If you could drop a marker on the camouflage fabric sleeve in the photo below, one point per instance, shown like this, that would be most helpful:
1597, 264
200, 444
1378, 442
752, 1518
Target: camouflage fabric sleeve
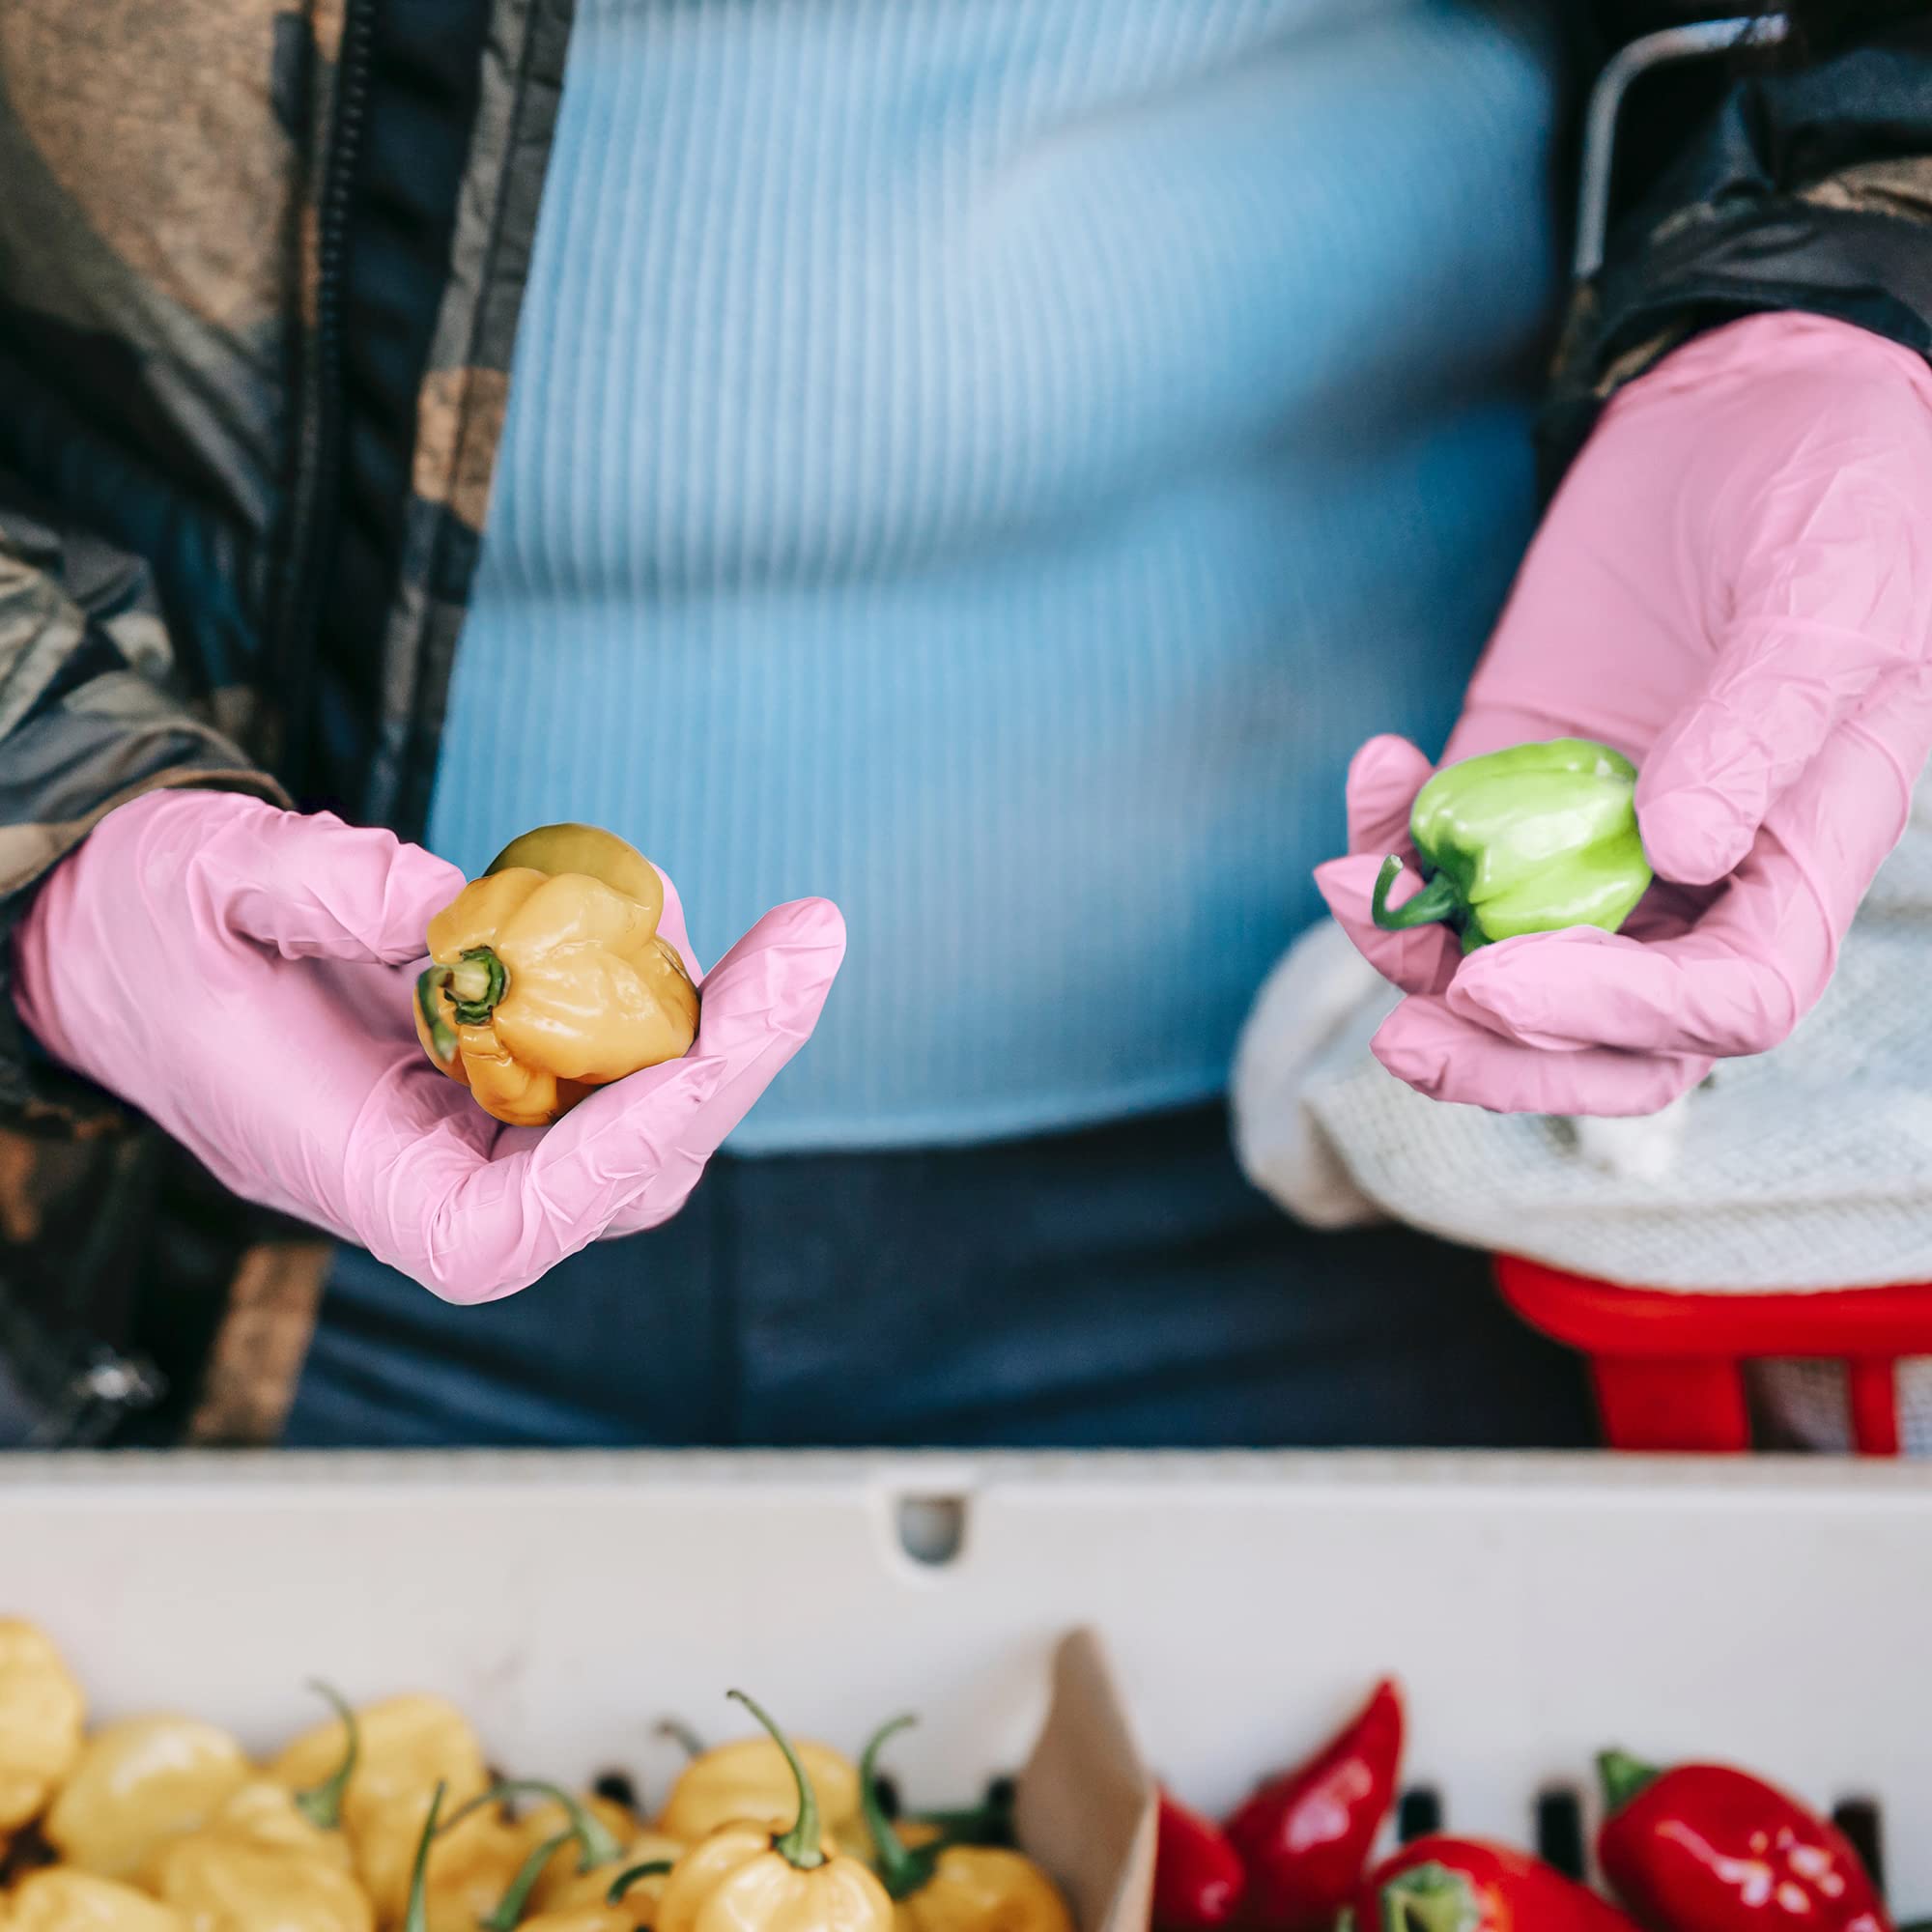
88, 720
1809, 188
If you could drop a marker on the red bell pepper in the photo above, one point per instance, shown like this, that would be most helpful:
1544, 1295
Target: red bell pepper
1703, 1848
1305, 1836
1463, 1884
1198, 1875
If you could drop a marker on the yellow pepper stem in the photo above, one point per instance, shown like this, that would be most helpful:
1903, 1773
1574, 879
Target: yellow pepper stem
476, 982
799, 1847
322, 1804
902, 1869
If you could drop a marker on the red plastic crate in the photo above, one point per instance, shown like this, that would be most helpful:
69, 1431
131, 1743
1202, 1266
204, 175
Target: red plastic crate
1669, 1367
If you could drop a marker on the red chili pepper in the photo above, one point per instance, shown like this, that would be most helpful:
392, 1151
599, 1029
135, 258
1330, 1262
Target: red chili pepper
1305, 1836
1198, 1877
1463, 1884
1703, 1848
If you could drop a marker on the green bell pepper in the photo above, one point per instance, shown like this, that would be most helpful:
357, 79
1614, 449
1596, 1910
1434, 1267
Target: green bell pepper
1529, 840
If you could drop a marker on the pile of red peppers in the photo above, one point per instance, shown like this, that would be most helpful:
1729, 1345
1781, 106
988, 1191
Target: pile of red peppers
1700, 1848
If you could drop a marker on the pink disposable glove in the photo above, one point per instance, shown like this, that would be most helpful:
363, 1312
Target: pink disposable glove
244, 977
1733, 587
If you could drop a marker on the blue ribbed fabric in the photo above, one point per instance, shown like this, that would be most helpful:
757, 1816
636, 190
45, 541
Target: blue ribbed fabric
991, 462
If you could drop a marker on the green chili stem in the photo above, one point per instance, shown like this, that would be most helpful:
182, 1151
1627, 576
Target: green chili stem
430, 984
509, 1912
476, 982
799, 1847
1623, 1777
902, 1869
627, 1878
682, 1735
1437, 900
1430, 1898
600, 1846
417, 1917
322, 1804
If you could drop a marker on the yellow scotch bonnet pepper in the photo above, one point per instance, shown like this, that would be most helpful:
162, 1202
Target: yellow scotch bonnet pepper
555, 1824
62, 1899
378, 1768
138, 1783
260, 1866
750, 1778
550, 979
942, 1886
489, 1883
42, 1712
748, 1876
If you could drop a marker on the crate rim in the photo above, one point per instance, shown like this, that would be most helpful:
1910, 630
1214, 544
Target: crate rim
207, 1475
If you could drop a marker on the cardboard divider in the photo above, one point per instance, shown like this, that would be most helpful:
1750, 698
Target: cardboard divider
1085, 1809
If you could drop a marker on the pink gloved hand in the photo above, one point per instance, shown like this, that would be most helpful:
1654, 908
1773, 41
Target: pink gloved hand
243, 976
1733, 587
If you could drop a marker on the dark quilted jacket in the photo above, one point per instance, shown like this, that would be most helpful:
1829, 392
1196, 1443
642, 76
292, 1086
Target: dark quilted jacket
260, 270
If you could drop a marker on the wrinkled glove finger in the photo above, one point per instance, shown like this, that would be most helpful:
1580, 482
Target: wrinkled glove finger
762, 1002
1420, 961
1448, 1058
1829, 569
1384, 778
1842, 823
671, 925
312, 888
1721, 765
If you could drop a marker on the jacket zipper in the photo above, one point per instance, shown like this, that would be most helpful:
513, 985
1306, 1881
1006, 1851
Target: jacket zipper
314, 509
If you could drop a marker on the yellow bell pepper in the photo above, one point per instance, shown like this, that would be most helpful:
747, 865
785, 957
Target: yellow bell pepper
402, 1749
752, 1877
750, 1778
259, 1865
937, 1886
138, 1783
550, 979
61, 1899
42, 1712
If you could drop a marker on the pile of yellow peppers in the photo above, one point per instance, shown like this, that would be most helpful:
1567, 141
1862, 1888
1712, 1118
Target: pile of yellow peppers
387, 1819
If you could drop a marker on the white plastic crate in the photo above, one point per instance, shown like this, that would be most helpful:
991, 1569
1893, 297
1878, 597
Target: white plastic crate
1770, 1612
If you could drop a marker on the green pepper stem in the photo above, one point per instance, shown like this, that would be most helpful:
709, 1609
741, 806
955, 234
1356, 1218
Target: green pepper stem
1623, 1777
630, 1874
600, 1846
430, 984
509, 1912
799, 1847
476, 982
902, 1869
1437, 900
417, 1917
322, 1804
1430, 1898
682, 1735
